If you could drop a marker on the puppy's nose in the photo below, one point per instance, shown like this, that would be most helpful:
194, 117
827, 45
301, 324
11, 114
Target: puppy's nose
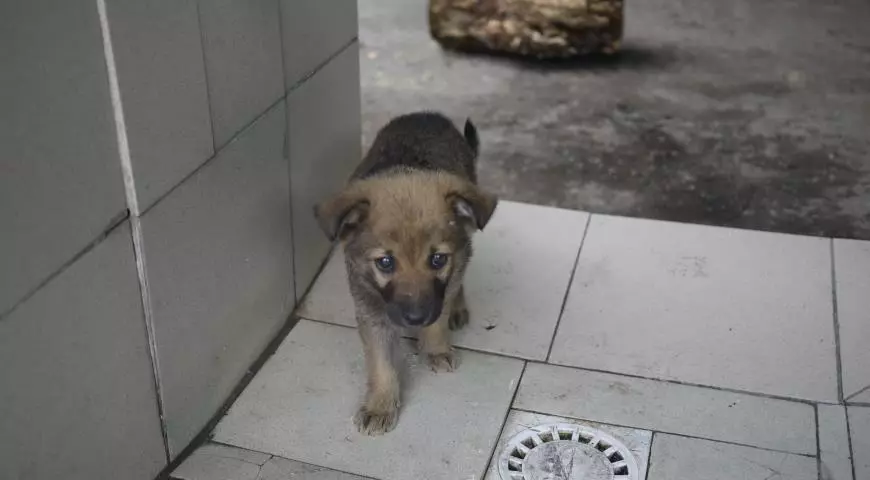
415, 315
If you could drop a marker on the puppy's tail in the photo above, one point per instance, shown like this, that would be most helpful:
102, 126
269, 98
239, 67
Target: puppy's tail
470, 133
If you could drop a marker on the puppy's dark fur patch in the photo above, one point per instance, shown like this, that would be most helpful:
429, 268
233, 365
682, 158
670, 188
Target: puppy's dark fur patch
405, 221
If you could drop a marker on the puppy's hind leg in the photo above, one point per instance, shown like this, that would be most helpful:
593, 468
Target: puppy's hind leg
459, 312
380, 410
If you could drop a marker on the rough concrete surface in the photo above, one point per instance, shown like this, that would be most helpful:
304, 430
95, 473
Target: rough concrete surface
741, 113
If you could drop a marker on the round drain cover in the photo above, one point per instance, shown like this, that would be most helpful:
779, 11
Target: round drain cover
564, 451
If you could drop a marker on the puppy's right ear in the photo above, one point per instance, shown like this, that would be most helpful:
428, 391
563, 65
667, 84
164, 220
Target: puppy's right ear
342, 215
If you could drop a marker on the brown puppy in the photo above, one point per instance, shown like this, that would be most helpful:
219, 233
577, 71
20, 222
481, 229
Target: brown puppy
405, 221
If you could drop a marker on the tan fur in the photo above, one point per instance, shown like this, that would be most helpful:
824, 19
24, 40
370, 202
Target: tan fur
408, 215
380, 410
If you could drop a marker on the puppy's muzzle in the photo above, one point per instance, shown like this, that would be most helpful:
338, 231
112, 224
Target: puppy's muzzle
414, 313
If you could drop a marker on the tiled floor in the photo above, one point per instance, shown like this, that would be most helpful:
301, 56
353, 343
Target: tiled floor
708, 352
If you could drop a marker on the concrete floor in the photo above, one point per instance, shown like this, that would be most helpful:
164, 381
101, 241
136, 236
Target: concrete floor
710, 353
741, 113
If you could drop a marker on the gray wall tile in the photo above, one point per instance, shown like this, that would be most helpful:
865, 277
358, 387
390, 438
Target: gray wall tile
161, 75
78, 398
219, 263
313, 30
242, 43
60, 178
324, 147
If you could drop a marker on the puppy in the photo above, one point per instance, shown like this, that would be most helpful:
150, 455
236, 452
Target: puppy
405, 221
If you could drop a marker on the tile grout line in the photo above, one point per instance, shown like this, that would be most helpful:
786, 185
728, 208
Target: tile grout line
248, 125
286, 153
818, 443
839, 362
568, 287
135, 224
114, 223
211, 159
609, 372
206, 432
851, 448
314, 71
652, 439
504, 422
664, 432
859, 392
272, 456
690, 384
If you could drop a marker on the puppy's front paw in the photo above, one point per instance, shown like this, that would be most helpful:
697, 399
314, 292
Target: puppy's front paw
375, 423
443, 362
458, 318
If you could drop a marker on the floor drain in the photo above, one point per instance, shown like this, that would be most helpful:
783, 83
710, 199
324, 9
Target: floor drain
564, 451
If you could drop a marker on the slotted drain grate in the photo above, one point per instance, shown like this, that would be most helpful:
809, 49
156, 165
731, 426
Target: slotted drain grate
564, 451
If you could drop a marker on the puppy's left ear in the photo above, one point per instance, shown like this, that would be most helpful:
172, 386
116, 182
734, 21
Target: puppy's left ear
473, 205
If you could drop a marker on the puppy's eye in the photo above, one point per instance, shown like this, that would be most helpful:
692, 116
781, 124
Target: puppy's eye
386, 263
438, 260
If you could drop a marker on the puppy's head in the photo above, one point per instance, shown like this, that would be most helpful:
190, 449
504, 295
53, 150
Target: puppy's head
406, 236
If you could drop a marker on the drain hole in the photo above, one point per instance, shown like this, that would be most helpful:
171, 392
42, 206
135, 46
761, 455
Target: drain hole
528, 451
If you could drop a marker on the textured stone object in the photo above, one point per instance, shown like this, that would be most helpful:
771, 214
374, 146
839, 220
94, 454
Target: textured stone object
543, 29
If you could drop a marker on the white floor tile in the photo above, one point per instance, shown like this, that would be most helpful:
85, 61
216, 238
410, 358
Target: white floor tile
678, 458
300, 406
278, 468
515, 284
863, 396
852, 259
836, 456
859, 427
638, 441
667, 407
222, 462
729, 308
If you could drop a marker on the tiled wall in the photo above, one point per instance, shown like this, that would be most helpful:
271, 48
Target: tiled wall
159, 162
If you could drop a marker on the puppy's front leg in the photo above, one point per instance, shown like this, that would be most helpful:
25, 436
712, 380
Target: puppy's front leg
380, 411
435, 343
459, 314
